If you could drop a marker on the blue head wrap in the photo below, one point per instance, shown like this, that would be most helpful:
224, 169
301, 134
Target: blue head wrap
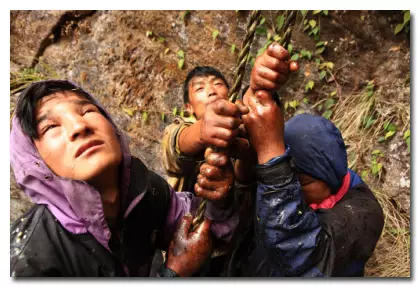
318, 148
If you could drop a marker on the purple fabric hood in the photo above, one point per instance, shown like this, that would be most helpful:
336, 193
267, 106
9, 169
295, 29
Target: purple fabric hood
76, 204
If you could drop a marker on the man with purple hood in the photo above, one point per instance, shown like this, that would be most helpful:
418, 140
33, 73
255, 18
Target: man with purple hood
99, 211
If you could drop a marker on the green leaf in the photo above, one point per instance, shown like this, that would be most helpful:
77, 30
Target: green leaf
294, 104
306, 54
317, 61
319, 51
181, 54
376, 152
290, 48
280, 22
232, 48
181, 113
322, 43
322, 75
303, 12
252, 62
325, 12
306, 27
316, 12
375, 169
407, 134
320, 107
163, 117
215, 34
277, 38
389, 134
364, 174
263, 48
386, 124
129, 111
161, 39
406, 17
294, 57
144, 117
370, 93
329, 103
330, 65
333, 93
184, 15
312, 23
262, 20
327, 114
381, 139
149, 33
309, 85
269, 36
305, 100
391, 127
174, 111
314, 31
407, 140
180, 63
286, 105
370, 122
262, 31
398, 28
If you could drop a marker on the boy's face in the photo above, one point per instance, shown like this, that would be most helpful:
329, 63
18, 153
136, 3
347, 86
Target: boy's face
200, 89
75, 140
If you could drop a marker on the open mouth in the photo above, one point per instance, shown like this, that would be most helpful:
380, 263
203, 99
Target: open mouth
88, 147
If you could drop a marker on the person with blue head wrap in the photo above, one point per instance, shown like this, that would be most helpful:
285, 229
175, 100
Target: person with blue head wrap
319, 154
313, 215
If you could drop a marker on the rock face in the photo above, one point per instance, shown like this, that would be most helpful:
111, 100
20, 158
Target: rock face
129, 60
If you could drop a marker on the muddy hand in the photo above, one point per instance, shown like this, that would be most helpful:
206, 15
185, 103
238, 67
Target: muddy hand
189, 250
219, 125
271, 69
216, 176
265, 126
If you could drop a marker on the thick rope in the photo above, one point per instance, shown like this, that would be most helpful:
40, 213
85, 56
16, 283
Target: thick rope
244, 55
234, 91
290, 17
240, 71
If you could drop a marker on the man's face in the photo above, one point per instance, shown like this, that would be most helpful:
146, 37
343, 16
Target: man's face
200, 89
75, 140
314, 190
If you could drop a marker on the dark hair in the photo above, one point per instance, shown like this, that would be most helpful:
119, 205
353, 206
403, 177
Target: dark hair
201, 71
29, 98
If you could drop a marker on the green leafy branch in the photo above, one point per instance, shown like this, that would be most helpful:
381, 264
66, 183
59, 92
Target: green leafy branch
405, 25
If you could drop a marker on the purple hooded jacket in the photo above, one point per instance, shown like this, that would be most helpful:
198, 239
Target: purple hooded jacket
77, 205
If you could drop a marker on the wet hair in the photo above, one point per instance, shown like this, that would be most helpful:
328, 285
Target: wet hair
30, 97
201, 71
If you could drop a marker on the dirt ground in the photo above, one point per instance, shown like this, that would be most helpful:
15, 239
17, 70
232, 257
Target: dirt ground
129, 60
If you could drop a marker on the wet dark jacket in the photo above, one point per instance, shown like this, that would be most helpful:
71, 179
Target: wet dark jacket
41, 246
288, 238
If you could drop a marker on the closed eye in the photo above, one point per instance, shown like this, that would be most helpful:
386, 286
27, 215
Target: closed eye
88, 111
47, 128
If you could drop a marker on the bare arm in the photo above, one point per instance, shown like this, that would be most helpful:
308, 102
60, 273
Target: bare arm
189, 140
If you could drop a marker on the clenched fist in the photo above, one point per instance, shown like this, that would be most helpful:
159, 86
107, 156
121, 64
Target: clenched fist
216, 176
189, 250
271, 69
